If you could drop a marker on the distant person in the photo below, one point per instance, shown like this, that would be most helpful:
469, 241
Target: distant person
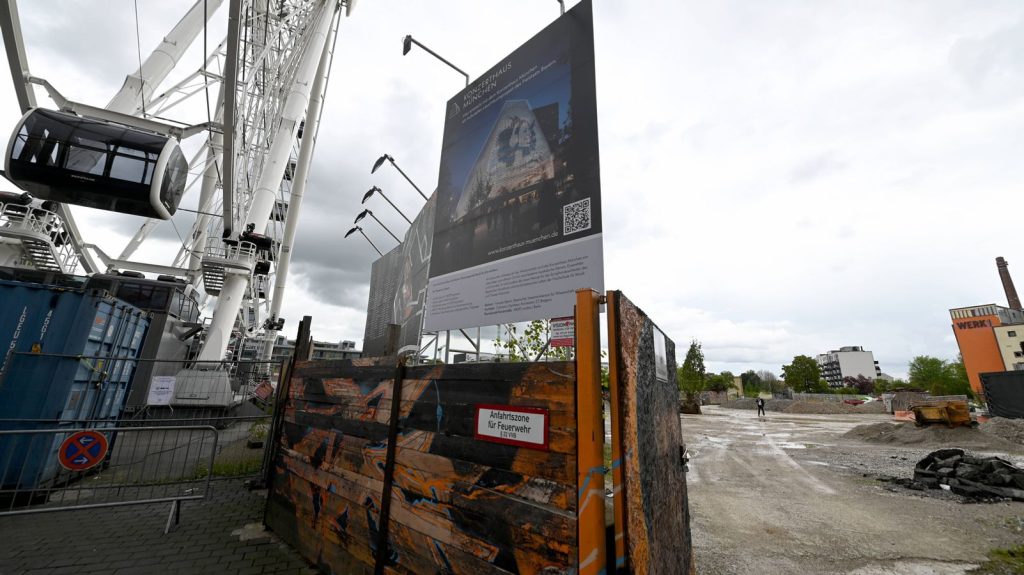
760, 407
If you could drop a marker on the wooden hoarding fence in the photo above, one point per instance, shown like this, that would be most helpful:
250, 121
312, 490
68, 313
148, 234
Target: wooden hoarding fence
383, 471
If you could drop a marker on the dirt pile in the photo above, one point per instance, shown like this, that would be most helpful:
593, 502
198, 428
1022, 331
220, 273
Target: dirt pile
824, 407
975, 477
807, 407
1009, 429
905, 433
872, 407
751, 403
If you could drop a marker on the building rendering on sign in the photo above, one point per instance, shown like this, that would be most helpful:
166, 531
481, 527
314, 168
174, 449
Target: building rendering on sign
989, 336
847, 361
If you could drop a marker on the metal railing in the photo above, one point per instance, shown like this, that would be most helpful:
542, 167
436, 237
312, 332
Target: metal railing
242, 252
156, 452
42, 225
139, 465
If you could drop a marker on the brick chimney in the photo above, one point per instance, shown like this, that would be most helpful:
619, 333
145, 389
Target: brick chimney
1012, 301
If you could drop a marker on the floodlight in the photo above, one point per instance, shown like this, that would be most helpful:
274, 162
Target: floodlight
367, 212
367, 195
407, 43
360, 230
380, 162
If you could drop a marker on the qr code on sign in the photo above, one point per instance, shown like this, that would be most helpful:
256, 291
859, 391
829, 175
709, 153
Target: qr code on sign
576, 217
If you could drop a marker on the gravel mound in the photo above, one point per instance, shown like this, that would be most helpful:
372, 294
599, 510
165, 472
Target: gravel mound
871, 407
811, 407
1009, 429
741, 403
750, 403
905, 433
826, 407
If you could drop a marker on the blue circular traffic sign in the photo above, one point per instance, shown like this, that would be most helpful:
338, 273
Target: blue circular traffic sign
82, 450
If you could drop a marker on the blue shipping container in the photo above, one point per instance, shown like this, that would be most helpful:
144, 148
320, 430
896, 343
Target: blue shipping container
68, 355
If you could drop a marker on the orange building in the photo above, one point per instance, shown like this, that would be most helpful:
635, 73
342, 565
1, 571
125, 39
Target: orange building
973, 329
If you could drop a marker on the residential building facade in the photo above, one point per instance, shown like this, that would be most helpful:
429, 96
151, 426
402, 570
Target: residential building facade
847, 361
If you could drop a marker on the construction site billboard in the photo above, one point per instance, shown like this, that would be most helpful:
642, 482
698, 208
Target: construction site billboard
398, 285
517, 228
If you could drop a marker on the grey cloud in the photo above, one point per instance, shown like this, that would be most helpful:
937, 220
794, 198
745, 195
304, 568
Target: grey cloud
816, 167
992, 64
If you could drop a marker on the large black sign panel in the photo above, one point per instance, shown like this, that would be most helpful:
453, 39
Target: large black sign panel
518, 222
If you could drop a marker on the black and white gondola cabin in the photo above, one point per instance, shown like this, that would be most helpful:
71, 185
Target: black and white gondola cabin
67, 158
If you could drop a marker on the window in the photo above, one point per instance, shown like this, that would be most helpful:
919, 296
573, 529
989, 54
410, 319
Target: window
1018, 354
144, 297
1011, 334
86, 160
128, 169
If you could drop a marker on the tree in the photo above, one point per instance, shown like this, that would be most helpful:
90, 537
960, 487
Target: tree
722, 382
802, 374
928, 372
958, 382
532, 344
751, 383
691, 376
769, 381
861, 384
882, 386
938, 376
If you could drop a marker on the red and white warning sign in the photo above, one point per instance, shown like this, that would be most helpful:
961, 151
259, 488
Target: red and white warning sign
513, 425
563, 332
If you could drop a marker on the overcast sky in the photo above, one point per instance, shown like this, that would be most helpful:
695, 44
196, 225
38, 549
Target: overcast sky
778, 178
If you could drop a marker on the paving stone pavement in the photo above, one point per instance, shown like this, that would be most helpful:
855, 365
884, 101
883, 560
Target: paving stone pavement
211, 538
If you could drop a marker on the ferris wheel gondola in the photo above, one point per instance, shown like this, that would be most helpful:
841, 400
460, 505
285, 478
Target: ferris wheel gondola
75, 160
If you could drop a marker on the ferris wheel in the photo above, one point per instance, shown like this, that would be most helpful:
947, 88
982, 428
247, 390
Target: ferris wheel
262, 84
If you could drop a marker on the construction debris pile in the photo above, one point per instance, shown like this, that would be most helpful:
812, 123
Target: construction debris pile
974, 477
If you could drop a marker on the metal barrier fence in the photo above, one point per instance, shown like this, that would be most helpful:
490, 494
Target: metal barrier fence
49, 470
151, 453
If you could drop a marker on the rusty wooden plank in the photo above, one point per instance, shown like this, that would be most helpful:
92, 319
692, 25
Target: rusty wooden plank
321, 525
458, 505
657, 532
477, 511
356, 455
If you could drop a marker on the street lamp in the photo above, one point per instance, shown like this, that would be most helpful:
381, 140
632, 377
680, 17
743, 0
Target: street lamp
365, 213
407, 43
360, 230
380, 162
367, 195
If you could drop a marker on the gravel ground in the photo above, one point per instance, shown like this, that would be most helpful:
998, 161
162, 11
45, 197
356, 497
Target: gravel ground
789, 493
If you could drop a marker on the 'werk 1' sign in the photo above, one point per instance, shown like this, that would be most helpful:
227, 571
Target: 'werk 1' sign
513, 425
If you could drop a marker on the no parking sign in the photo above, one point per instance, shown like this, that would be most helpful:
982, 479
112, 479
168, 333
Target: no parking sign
82, 450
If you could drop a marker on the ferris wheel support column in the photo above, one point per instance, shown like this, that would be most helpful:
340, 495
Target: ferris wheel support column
138, 88
265, 192
284, 258
211, 175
